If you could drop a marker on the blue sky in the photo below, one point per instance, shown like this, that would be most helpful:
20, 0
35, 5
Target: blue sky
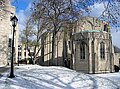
23, 6
22, 11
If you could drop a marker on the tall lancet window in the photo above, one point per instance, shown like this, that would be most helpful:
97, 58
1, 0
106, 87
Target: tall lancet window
102, 50
82, 51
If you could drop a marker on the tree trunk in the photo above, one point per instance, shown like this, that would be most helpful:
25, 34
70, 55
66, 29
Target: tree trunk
65, 60
34, 60
53, 50
41, 62
30, 61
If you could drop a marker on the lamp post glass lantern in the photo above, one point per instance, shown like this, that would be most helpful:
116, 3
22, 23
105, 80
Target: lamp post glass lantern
14, 21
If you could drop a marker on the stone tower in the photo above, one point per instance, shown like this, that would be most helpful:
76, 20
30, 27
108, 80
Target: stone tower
6, 12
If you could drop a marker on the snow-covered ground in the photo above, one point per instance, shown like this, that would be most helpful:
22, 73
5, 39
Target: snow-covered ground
111, 76
2, 65
38, 77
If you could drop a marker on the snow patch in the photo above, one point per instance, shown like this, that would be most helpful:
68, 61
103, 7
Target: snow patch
39, 77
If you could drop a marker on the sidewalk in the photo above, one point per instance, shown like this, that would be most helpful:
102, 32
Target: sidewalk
3, 69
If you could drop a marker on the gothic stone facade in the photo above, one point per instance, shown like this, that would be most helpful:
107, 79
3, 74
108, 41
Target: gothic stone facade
86, 47
6, 11
92, 46
93, 52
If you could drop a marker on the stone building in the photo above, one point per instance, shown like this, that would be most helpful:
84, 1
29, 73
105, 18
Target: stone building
93, 51
87, 49
117, 56
6, 12
22, 52
85, 46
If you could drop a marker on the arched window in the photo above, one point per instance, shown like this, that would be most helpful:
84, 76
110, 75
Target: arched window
82, 51
102, 50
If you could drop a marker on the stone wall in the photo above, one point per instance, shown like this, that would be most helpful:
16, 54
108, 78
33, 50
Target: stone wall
6, 11
117, 59
93, 63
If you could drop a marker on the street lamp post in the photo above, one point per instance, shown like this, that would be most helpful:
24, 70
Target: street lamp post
14, 23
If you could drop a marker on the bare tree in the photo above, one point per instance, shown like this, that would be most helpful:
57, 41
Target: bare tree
35, 31
26, 36
55, 13
58, 13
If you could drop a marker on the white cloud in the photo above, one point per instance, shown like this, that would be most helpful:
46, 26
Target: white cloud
97, 9
22, 17
116, 38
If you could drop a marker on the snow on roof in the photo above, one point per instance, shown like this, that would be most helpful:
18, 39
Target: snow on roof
38, 77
